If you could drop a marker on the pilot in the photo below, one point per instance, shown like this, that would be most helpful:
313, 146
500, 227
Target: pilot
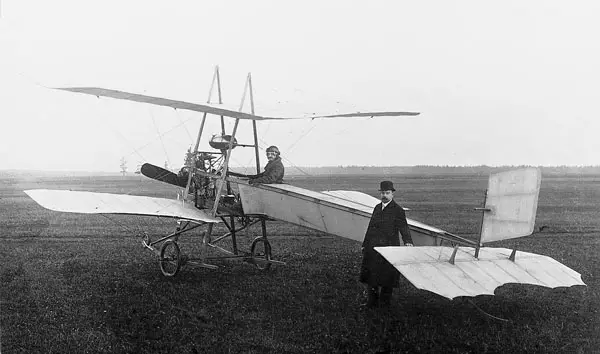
273, 172
388, 223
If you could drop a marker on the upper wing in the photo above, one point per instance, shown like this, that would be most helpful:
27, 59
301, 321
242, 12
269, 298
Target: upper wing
429, 268
216, 109
106, 203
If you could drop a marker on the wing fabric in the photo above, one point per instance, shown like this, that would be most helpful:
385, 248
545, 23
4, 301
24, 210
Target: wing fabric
106, 203
217, 109
354, 196
428, 268
512, 198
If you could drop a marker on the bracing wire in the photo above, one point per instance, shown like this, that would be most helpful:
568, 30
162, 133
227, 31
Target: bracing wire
284, 158
124, 226
140, 230
160, 137
487, 314
302, 136
163, 134
185, 127
134, 150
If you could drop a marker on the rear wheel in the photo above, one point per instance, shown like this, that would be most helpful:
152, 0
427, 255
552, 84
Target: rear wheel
170, 258
261, 251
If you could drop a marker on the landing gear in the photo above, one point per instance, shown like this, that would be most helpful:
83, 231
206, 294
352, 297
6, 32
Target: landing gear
260, 251
170, 258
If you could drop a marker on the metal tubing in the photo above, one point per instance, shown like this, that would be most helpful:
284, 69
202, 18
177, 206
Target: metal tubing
225, 168
220, 98
221, 249
202, 264
205, 241
263, 225
221, 237
230, 147
225, 223
233, 237
193, 167
216, 78
256, 152
177, 233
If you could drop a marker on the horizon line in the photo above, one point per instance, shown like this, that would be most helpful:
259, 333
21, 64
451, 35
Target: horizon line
25, 170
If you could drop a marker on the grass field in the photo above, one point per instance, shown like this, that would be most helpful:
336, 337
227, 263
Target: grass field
83, 283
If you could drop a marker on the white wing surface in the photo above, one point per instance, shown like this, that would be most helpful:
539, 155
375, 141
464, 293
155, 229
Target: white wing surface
354, 196
428, 268
512, 199
357, 197
106, 203
217, 109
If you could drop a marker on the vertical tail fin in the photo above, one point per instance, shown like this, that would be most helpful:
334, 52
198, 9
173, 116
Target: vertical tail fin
512, 200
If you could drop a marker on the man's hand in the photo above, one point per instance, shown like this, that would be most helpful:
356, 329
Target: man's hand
408, 244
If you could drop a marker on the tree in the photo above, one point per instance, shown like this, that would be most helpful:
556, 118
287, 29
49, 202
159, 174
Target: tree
189, 157
123, 166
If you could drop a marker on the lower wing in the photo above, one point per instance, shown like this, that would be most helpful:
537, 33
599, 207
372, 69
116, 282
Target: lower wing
106, 203
429, 268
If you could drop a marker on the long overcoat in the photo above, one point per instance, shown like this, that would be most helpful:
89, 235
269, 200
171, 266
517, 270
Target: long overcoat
383, 230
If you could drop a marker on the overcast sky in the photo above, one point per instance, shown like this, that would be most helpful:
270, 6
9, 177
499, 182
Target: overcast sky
510, 82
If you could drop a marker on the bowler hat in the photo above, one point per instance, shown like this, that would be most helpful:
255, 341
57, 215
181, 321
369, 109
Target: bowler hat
387, 186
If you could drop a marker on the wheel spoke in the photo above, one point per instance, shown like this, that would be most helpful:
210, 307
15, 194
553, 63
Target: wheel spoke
170, 258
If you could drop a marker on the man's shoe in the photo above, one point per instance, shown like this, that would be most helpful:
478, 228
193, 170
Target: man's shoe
372, 298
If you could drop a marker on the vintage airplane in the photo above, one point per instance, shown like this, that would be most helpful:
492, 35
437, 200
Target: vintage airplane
446, 264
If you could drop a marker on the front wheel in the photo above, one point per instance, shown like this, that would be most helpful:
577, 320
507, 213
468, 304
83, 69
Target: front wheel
261, 250
170, 258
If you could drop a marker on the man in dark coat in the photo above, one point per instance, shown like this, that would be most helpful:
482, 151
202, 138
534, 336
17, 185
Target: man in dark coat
273, 172
387, 224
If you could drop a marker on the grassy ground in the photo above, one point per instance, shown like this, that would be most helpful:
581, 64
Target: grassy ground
77, 283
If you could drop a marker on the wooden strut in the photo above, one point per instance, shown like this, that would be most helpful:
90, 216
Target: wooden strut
207, 235
200, 131
222, 180
483, 211
513, 254
453, 256
263, 222
232, 219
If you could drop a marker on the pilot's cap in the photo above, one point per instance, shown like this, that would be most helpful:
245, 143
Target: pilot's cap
274, 149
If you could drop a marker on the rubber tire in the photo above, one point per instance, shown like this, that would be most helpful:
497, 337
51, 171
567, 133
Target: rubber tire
163, 261
267, 254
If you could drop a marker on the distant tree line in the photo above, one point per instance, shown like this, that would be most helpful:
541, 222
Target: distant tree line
437, 170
